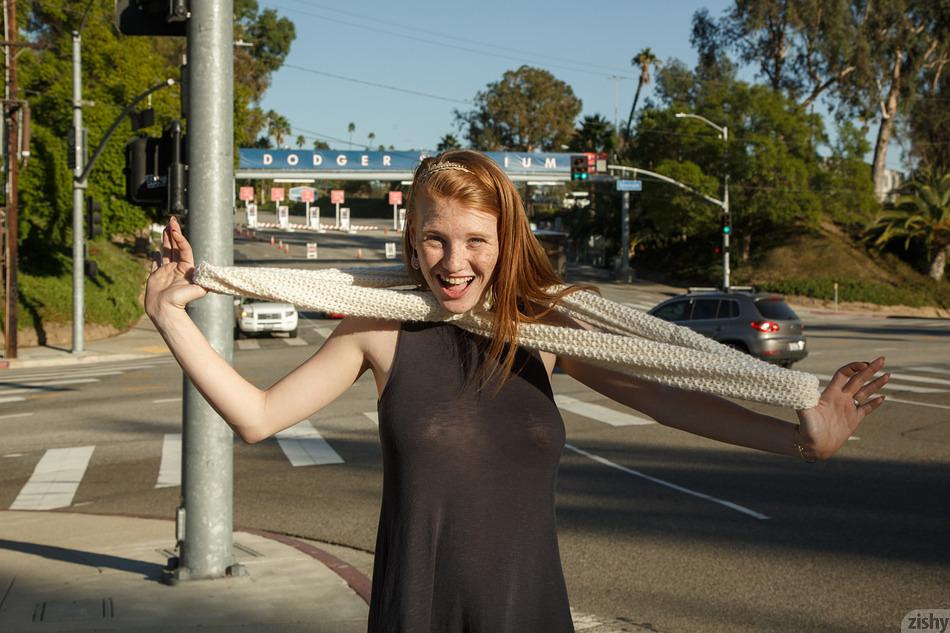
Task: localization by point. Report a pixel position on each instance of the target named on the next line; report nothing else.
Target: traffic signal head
(579, 167)
(726, 229)
(93, 219)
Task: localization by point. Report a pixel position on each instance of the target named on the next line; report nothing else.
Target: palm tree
(277, 126)
(644, 60)
(301, 141)
(921, 211)
(351, 128)
(370, 137)
(448, 142)
(596, 134)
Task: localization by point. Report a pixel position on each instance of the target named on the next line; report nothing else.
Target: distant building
(893, 180)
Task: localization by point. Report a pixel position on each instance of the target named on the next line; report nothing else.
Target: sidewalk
(142, 340)
(70, 572)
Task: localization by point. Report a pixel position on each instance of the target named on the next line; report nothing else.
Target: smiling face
(457, 248)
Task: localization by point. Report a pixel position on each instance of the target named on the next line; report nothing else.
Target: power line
(445, 45)
(377, 85)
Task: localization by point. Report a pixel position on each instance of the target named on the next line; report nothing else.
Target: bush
(851, 290)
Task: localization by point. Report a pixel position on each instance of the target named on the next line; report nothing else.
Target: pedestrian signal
(580, 169)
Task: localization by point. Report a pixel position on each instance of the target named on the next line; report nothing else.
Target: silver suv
(761, 324)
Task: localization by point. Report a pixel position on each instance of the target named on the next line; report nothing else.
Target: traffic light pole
(727, 230)
(205, 519)
(79, 186)
(625, 238)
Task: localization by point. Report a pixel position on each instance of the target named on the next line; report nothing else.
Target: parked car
(758, 323)
(252, 317)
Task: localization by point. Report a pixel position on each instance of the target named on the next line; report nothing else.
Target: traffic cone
(359, 253)
(280, 244)
(271, 240)
(287, 249)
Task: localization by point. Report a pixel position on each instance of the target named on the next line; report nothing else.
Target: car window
(775, 309)
(728, 309)
(675, 311)
(704, 309)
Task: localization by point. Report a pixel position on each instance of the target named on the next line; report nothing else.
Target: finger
(871, 405)
(869, 389)
(166, 246)
(182, 245)
(857, 380)
(841, 377)
(156, 258)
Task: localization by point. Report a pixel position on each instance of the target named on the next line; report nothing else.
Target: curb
(17, 363)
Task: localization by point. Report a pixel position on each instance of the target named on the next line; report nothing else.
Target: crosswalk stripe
(372, 415)
(12, 399)
(598, 412)
(247, 344)
(304, 446)
(926, 379)
(325, 332)
(932, 370)
(894, 387)
(66, 374)
(14, 415)
(55, 479)
(169, 471)
(164, 400)
(295, 341)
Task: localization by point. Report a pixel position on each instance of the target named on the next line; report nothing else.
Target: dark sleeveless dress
(467, 540)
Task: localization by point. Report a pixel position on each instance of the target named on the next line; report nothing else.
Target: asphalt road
(657, 527)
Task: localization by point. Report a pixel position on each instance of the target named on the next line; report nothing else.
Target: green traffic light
(727, 229)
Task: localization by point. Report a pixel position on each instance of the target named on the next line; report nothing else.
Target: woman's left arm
(822, 431)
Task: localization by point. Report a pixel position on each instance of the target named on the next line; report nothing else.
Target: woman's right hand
(169, 285)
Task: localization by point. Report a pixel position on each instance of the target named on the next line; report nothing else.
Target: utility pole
(205, 519)
(79, 188)
(11, 110)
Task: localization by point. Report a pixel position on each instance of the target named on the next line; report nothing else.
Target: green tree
(595, 134)
(277, 127)
(448, 142)
(351, 128)
(301, 141)
(928, 122)
(528, 110)
(370, 137)
(320, 144)
(921, 212)
(643, 60)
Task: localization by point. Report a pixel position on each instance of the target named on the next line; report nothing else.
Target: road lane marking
(13, 399)
(55, 479)
(164, 400)
(69, 374)
(295, 341)
(247, 344)
(304, 446)
(599, 412)
(662, 482)
(325, 332)
(895, 387)
(925, 379)
(372, 415)
(919, 404)
(169, 471)
(14, 415)
(933, 370)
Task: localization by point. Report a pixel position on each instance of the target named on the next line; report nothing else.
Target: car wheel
(293, 333)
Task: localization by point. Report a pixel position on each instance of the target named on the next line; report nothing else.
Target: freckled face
(457, 249)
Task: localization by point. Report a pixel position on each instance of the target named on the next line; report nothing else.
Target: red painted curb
(4, 364)
(352, 576)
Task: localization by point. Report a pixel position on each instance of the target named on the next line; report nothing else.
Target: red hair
(523, 274)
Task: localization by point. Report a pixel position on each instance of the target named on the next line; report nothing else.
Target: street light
(727, 218)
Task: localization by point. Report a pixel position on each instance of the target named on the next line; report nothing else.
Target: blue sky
(439, 54)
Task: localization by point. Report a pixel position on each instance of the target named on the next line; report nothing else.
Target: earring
(414, 261)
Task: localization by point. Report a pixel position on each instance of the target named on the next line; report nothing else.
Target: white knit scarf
(625, 339)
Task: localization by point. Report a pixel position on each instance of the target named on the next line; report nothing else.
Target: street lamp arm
(677, 183)
(722, 129)
(115, 124)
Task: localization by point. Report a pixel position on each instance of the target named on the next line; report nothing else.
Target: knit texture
(625, 339)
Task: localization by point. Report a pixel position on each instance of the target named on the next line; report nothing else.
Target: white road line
(932, 370)
(14, 415)
(247, 344)
(304, 446)
(169, 472)
(164, 400)
(599, 412)
(65, 374)
(325, 332)
(637, 473)
(55, 479)
(925, 379)
(372, 415)
(894, 387)
(12, 399)
(932, 405)
(295, 341)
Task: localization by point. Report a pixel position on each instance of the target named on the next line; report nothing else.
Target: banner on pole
(345, 218)
(311, 250)
(283, 216)
(390, 250)
(251, 210)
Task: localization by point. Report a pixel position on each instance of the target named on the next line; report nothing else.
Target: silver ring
(856, 403)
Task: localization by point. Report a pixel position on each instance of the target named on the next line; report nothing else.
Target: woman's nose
(453, 258)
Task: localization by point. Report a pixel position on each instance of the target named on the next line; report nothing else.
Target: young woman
(470, 434)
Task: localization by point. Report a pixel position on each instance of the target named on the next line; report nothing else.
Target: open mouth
(454, 286)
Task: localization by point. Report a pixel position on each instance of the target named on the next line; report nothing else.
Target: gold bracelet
(801, 449)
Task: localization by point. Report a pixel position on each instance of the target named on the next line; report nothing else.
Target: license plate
(797, 345)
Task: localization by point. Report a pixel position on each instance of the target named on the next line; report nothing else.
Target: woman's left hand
(844, 403)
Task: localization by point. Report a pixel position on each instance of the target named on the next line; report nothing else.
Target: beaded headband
(437, 167)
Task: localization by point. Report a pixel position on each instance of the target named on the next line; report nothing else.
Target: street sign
(629, 185)
(345, 218)
(311, 250)
(307, 194)
(276, 194)
(390, 250)
(251, 210)
(395, 197)
(247, 194)
(402, 219)
(336, 196)
(283, 216)
(313, 219)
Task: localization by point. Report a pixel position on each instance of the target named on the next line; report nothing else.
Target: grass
(113, 298)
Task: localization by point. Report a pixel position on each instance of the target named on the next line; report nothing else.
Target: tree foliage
(528, 110)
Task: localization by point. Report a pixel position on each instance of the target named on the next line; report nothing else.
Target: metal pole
(11, 109)
(207, 490)
(725, 209)
(79, 186)
(625, 237)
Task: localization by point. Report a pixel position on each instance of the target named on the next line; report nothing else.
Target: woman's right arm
(254, 414)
